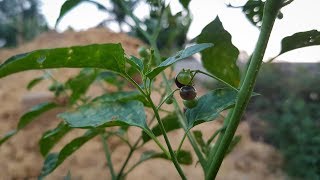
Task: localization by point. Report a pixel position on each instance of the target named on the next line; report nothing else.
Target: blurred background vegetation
(290, 93)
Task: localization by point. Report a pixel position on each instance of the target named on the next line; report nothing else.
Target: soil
(20, 157)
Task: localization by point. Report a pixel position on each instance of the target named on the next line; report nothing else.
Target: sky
(300, 15)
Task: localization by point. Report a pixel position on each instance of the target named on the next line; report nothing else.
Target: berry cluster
(184, 81)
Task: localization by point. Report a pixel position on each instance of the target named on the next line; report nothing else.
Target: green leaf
(122, 96)
(80, 84)
(34, 82)
(28, 117)
(185, 3)
(34, 112)
(105, 111)
(170, 123)
(200, 141)
(136, 63)
(220, 60)
(183, 157)
(53, 160)
(210, 105)
(300, 40)
(254, 11)
(8, 136)
(189, 51)
(104, 56)
(51, 137)
(234, 142)
(70, 4)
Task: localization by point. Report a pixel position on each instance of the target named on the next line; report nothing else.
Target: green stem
(172, 154)
(165, 99)
(181, 142)
(270, 13)
(108, 155)
(215, 77)
(214, 135)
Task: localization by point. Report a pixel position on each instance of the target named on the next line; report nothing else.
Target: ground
(20, 157)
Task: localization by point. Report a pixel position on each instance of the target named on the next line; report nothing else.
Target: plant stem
(271, 10)
(172, 154)
(108, 155)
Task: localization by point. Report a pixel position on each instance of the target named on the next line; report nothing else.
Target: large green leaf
(70, 4)
(53, 160)
(183, 157)
(210, 105)
(170, 123)
(51, 137)
(300, 40)
(254, 11)
(107, 110)
(80, 84)
(28, 117)
(220, 60)
(136, 63)
(189, 51)
(104, 56)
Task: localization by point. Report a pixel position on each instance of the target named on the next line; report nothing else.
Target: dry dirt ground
(20, 157)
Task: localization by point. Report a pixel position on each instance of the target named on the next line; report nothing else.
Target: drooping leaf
(170, 123)
(35, 112)
(70, 4)
(34, 82)
(185, 3)
(200, 141)
(116, 110)
(80, 84)
(210, 105)
(28, 117)
(254, 11)
(189, 51)
(183, 157)
(220, 60)
(7, 136)
(53, 160)
(136, 63)
(300, 40)
(51, 137)
(104, 56)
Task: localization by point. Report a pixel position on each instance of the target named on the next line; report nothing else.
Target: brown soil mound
(20, 157)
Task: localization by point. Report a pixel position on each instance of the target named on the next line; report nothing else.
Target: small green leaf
(189, 51)
(53, 160)
(234, 142)
(170, 123)
(220, 60)
(34, 112)
(8, 136)
(80, 84)
(70, 4)
(183, 157)
(34, 82)
(254, 11)
(136, 63)
(104, 56)
(200, 141)
(300, 40)
(107, 111)
(51, 137)
(185, 3)
(210, 105)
